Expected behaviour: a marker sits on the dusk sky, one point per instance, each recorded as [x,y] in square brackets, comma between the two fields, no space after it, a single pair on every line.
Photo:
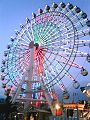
[14,12]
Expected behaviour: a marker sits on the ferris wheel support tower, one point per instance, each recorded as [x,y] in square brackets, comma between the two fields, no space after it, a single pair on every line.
[27,78]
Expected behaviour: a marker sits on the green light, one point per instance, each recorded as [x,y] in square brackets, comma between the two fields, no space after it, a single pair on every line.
[44,33]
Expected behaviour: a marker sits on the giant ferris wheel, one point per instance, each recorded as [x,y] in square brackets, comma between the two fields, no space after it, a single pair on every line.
[49,51]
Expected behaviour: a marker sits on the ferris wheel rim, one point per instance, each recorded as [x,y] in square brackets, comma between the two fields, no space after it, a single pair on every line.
[58,76]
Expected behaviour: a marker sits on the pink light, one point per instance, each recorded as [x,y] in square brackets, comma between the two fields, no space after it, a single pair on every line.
[62,87]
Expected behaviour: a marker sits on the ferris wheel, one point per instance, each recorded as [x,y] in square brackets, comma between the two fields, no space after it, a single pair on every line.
[49,51]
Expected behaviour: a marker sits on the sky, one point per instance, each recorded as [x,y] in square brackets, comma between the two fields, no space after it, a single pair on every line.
[14,12]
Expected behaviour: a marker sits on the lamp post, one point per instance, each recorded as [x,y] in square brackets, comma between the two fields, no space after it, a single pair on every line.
[57,106]
[77,113]
[15,117]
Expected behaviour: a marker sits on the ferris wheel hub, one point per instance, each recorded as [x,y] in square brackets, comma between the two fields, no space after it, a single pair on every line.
[36,45]
[31,44]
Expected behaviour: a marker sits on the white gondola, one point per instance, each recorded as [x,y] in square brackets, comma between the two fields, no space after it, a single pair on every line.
[65,95]
[88,58]
[88,23]
[33,15]
[70,6]
[8,46]
[2,70]
[40,11]
[54,5]
[17,32]
[27,20]
[84,72]
[84,15]
[76,85]
[2,77]
[3,85]
[78,10]
[47,8]
[3,62]
[63,5]
[5,53]
[21,26]
[12,39]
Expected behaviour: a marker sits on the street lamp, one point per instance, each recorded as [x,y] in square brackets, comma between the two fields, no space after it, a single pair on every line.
[57,106]
[15,117]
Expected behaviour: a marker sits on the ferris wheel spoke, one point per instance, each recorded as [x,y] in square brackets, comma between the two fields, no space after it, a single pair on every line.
[71,63]
[32,31]
[49,28]
[51,25]
[66,9]
[81,54]
[74,16]
[77,42]
[83,43]
[56,53]
[20,59]
[25,35]
[51,41]
[53,68]
[62,87]
[15,45]
[79,34]
[61,18]
[15,66]
[46,27]
[75,83]
[51,82]
[5,82]
[16,50]
[38,35]
[61,84]
[75,52]
[46,35]
[20,56]
[49,62]
[24,64]
[62,21]
[27,31]
[55,17]
[23,40]
[77,25]
[29,25]
[81,24]
[50,38]
[13,81]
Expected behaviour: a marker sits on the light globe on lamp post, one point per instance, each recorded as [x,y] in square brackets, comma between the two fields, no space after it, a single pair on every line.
[57,106]
[15,117]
